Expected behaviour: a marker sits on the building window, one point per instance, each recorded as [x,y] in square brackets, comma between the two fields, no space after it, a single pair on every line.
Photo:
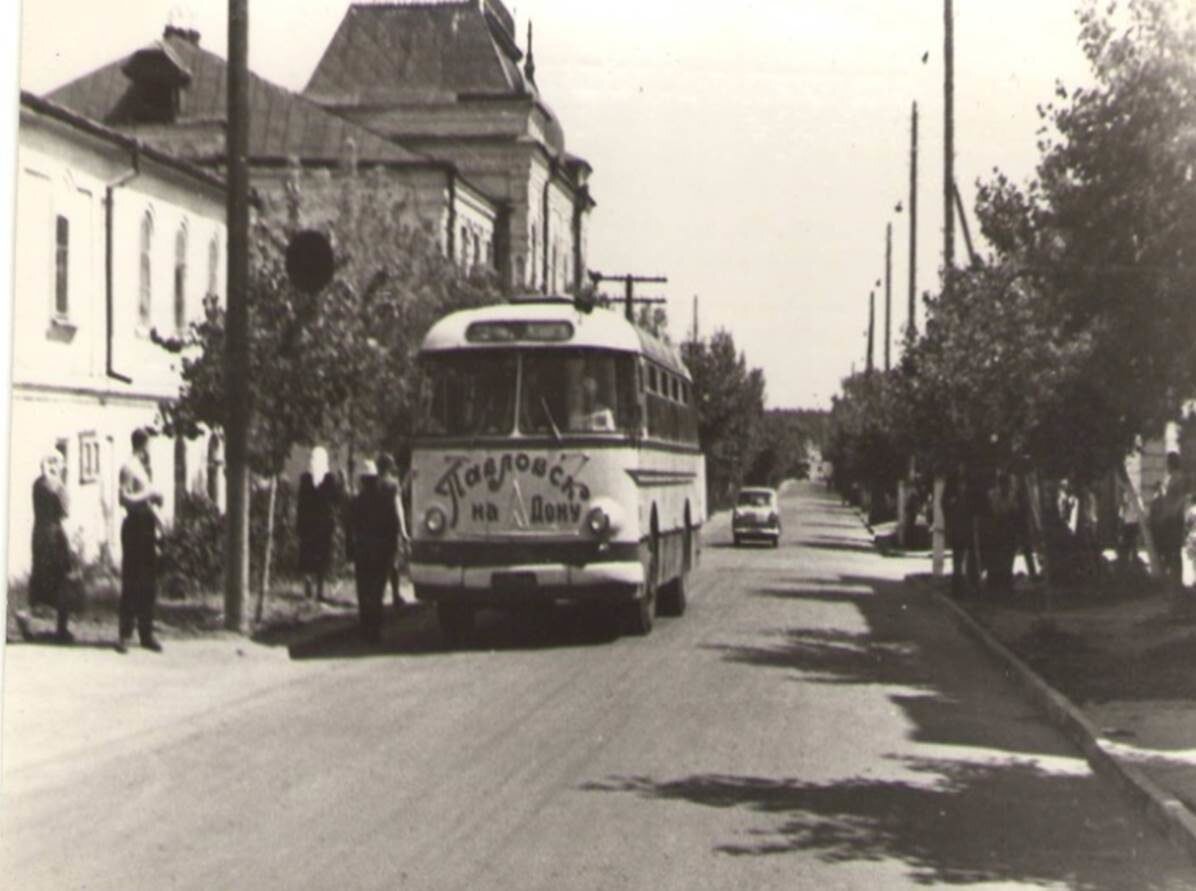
[180,278]
[62,266]
[89,458]
[145,287]
[213,265]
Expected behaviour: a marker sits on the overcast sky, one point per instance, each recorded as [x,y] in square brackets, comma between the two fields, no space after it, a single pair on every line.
[752,152]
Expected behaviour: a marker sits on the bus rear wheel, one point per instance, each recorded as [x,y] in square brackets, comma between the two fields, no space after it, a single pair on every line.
[640,613]
[456,622]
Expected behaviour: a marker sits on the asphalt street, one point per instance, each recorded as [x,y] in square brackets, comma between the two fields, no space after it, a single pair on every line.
[810,722]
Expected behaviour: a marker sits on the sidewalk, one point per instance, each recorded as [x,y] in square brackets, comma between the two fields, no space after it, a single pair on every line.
[63,701]
[1124,664]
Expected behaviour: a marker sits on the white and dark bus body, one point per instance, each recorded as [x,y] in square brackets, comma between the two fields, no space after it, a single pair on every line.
[557,459]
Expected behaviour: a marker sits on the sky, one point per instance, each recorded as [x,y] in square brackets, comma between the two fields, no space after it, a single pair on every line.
[752,152]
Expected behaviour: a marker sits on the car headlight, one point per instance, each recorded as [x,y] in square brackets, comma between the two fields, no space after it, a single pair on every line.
[435,520]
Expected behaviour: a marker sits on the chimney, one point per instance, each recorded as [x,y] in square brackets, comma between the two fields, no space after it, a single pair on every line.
[188,34]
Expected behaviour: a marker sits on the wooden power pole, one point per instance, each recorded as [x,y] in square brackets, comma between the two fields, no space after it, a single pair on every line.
[888,290]
[629,283]
[236,353]
[871,328]
[912,323]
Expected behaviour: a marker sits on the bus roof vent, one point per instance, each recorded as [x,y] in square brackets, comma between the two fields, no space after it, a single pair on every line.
[540,298]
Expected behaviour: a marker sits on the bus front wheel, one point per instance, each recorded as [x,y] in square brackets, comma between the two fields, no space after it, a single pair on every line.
[456,622]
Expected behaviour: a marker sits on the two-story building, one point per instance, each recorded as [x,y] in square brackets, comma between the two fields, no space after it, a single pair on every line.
[115,240]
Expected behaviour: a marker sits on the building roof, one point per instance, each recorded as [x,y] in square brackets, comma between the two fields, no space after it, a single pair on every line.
[283,124]
[427,50]
[85,125]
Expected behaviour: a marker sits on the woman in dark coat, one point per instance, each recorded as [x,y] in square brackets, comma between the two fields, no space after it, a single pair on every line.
[52,558]
[316,513]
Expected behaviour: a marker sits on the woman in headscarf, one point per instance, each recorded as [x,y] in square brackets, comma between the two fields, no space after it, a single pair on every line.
[52,557]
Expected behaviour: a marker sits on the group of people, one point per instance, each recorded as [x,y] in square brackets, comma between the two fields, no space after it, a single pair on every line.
[55,581]
[375,535]
[988,523]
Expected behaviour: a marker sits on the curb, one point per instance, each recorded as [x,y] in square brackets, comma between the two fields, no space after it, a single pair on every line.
[1162,808]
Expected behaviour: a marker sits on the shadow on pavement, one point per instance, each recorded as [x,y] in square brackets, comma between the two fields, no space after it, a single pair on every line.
[969,823]
[415,632]
[992,816]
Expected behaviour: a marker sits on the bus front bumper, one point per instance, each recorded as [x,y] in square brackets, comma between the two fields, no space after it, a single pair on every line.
[471,578]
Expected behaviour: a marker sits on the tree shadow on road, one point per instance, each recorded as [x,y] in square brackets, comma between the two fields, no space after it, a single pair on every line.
[967,823]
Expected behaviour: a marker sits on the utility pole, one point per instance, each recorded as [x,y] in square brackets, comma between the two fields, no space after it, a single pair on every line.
[948,142]
[888,290]
[871,326]
[938,534]
[694,340]
[912,324]
[629,283]
[236,351]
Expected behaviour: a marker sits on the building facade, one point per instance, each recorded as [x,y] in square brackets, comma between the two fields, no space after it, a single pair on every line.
[448,80]
[115,243]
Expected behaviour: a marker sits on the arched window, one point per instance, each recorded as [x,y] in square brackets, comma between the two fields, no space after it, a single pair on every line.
[477,250]
[213,265]
[180,277]
[145,287]
[463,249]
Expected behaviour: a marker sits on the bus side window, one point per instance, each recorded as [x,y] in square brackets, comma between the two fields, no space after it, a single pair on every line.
[651,378]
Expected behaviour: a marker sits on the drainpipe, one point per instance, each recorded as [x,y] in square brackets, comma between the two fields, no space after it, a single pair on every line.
[450,243]
[544,212]
[108,260]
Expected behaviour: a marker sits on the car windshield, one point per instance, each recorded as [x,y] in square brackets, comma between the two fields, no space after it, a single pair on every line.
[755,499]
[577,391]
[470,394]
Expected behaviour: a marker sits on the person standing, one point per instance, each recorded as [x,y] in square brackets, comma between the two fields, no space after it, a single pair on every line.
[958,512]
[388,478]
[1167,518]
[373,534]
[1002,529]
[52,556]
[139,547]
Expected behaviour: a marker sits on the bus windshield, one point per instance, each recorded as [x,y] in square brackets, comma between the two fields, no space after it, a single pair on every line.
[471,394]
[577,391]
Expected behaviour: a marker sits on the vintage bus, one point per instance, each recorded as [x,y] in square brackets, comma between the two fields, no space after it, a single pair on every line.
[556,458]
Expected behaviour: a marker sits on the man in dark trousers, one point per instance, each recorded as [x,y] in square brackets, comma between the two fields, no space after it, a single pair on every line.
[373,533]
[139,548]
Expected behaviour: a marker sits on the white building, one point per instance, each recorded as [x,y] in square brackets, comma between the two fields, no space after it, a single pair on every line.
[114,240]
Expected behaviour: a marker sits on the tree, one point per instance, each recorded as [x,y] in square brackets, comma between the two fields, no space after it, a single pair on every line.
[730,402]
[1106,231]
[337,368]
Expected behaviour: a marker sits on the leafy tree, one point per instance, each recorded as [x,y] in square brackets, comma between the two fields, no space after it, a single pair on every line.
[730,402]
[337,368]
[1105,233]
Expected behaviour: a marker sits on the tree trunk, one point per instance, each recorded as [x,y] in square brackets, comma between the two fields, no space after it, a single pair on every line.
[269,550]
[938,533]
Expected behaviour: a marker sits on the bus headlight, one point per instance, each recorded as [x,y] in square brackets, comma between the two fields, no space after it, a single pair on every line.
[598,521]
[604,519]
[435,520]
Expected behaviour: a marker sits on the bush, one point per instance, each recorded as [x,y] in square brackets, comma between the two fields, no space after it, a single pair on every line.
[191,553]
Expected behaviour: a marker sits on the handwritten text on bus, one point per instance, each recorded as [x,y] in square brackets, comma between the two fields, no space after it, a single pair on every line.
[464,475]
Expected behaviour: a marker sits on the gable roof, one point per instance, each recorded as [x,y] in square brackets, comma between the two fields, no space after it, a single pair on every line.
[420,51]
[283,124]
[37,105]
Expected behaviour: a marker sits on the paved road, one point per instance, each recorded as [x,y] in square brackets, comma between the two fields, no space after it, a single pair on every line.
[809,723]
